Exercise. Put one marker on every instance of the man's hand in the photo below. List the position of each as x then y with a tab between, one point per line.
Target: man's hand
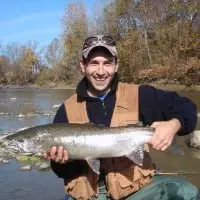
164	133
58	155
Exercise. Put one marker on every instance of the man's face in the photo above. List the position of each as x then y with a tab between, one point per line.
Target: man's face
99	69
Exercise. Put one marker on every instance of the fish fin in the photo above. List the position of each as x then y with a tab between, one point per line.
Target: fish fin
137	156
94	165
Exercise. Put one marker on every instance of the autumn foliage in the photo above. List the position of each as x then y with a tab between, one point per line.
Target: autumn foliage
157	40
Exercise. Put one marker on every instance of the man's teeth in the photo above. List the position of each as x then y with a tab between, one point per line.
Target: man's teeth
100	79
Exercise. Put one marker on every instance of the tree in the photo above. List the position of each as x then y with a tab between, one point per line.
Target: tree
54	59
75	27
131	55
119	18
12	52
23	62
96	17
4	68
28	64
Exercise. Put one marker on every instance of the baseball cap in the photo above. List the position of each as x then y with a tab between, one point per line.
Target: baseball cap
99	41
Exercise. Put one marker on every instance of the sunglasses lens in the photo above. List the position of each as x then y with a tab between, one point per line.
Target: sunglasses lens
91	41
94	40
107	40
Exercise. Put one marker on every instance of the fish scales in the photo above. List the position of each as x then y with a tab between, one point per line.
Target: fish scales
83	141
91	139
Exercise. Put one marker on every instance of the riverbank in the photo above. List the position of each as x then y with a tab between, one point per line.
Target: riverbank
176	87
59	85
63	85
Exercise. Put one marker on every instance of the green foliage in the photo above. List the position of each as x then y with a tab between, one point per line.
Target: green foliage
29	159
43	77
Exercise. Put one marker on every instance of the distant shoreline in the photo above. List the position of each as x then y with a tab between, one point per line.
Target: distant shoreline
176	87
34	86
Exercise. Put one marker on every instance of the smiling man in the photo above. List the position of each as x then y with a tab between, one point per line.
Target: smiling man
101	99
99	68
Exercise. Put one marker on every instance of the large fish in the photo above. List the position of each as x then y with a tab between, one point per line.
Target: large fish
82	141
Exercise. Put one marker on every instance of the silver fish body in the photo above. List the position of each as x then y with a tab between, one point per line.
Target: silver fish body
83	141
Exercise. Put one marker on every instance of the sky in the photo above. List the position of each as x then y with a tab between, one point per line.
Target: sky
39	20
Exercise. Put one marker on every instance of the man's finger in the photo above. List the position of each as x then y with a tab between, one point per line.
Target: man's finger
164	148
53	153
155	141
59	154
157	146
65	155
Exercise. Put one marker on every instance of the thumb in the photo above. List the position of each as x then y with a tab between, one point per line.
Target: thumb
155	124
150	141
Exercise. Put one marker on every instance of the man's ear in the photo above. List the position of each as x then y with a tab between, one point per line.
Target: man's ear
82	65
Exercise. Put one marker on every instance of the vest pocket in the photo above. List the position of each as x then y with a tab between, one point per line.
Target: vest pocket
120	182
127	181
82	188
145	177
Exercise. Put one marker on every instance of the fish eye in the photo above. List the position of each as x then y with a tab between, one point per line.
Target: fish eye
20	139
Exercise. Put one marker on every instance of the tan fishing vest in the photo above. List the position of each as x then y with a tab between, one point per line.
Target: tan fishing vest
122	176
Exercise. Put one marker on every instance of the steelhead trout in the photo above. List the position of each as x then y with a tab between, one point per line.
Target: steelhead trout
82	141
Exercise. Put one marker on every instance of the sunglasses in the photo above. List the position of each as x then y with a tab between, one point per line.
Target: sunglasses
94	40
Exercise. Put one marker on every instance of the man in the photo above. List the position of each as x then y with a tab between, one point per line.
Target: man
101	99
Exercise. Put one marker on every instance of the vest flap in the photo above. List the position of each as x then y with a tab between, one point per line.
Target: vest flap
126	107
123	181
138	171
76	110
71	184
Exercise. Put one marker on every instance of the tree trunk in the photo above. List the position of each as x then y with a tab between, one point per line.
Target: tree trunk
147	46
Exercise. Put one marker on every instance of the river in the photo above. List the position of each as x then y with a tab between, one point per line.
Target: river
28	107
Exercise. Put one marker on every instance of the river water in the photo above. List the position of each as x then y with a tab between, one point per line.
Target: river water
28	107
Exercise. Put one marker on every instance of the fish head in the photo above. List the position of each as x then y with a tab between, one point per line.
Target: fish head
21	145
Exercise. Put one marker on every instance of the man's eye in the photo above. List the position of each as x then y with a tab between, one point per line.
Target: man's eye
93	63
108	63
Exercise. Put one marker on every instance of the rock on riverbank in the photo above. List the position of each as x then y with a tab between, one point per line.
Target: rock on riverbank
194	139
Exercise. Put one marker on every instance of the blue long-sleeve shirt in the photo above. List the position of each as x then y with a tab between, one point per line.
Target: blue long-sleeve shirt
154	105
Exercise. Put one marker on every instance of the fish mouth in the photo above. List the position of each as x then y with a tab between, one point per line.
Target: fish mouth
15	147
26	153
18	149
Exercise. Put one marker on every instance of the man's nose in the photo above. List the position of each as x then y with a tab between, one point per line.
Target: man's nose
100	69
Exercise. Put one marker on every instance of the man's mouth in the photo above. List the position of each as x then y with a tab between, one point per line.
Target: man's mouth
100	79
